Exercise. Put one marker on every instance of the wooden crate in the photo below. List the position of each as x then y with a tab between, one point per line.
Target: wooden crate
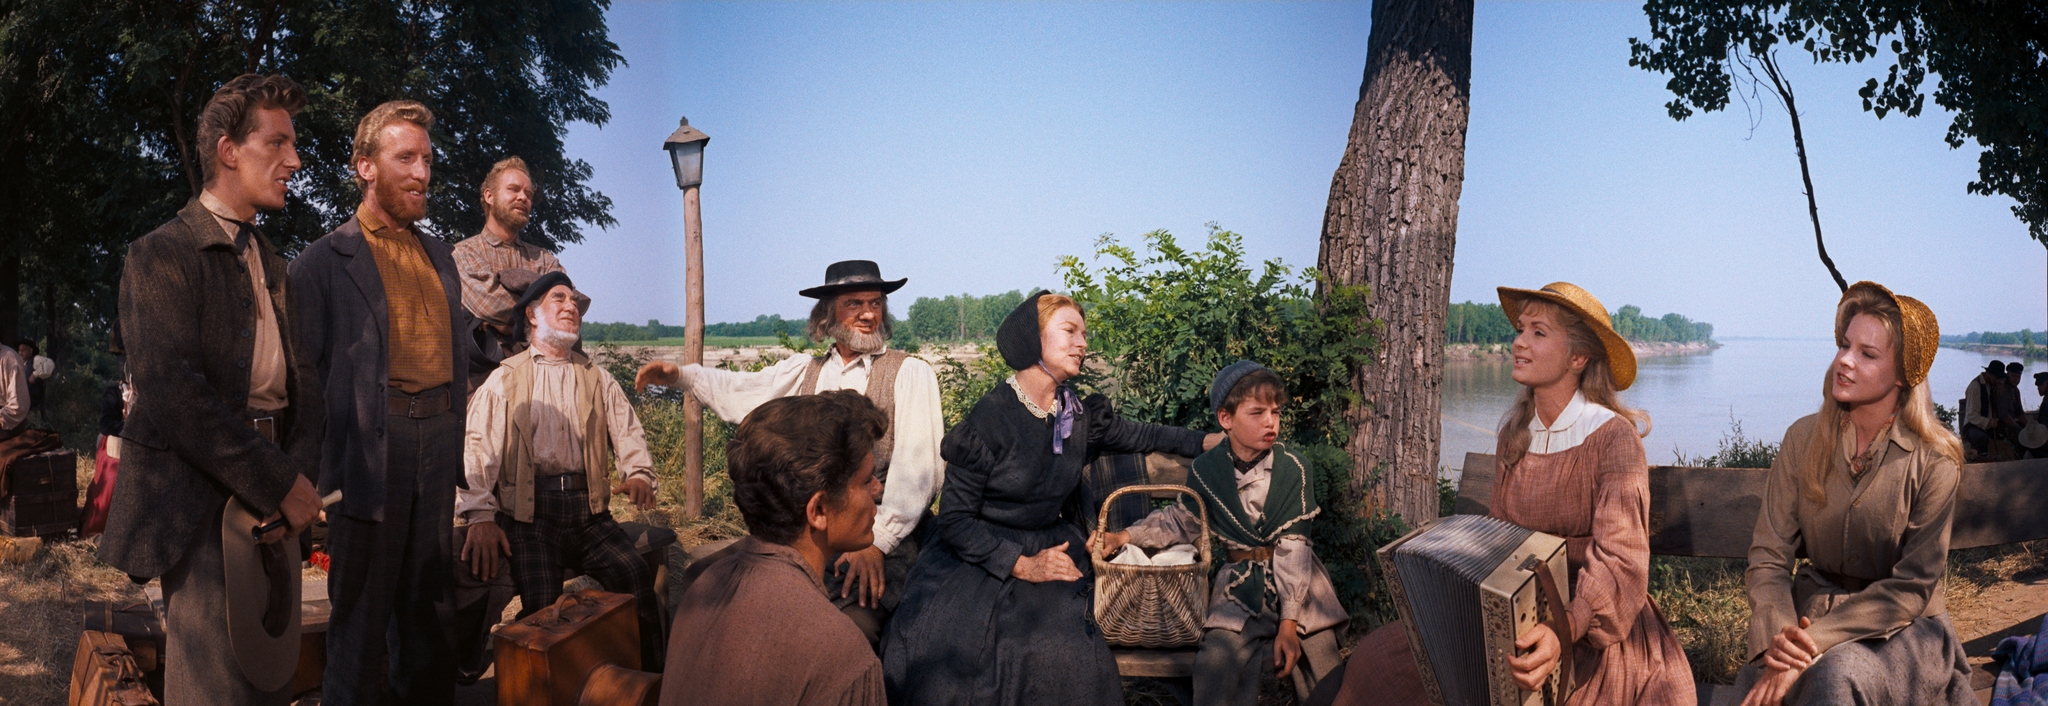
46	473
38	514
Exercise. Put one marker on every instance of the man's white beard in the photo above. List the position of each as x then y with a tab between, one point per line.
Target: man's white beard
551	337
856	341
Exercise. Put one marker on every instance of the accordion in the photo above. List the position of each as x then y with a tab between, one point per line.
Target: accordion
1466	586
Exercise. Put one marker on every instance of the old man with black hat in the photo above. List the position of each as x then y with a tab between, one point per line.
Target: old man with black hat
543	432
852	311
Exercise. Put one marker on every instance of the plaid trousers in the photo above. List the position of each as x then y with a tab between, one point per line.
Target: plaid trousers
566	536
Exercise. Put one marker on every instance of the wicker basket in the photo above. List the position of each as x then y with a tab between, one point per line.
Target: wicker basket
1151	606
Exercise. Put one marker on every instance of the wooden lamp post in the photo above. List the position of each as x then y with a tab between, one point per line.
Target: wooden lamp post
686	150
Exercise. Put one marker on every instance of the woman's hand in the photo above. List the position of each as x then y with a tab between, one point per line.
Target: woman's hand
1771	688
1111	541
1532	669
1210	441
1053	564
1792	649
1286	648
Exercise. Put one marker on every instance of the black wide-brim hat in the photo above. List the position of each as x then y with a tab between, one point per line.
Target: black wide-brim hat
853	276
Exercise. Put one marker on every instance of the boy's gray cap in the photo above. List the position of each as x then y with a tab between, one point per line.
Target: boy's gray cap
1227	378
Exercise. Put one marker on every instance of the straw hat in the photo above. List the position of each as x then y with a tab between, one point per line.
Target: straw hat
1921	331
267	659
1621	360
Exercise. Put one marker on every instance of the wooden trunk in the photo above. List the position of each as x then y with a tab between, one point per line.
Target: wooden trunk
545	658
104	673
613	685
137	624
49	472
39	514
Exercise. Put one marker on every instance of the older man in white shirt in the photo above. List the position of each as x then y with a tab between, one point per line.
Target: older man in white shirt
852	311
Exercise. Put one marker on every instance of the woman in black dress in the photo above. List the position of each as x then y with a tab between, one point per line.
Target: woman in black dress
998	610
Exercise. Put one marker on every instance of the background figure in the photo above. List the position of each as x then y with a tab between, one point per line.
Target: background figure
39	373
496	266
1981	421
2033	438
14	400
106	460
381	317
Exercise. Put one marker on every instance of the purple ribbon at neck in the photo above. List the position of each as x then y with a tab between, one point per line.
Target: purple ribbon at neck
1070	407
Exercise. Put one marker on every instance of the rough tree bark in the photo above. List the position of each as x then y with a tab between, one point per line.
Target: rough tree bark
1392	224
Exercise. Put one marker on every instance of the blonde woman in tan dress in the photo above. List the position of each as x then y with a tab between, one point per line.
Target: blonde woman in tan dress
1571	464
1865	489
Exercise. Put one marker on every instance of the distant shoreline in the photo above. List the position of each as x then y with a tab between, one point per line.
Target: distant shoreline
1499	351
2005	350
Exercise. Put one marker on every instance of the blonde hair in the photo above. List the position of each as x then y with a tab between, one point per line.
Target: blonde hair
498	170
370	130
1915	408
1596	382
1050	303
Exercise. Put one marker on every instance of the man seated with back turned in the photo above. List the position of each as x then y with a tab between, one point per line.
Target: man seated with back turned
543	433
758	626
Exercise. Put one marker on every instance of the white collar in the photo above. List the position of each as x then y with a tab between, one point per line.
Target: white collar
1565	419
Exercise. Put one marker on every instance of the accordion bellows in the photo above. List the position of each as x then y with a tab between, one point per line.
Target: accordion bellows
1466	587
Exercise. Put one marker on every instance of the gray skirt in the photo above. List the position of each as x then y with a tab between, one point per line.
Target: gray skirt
1922	664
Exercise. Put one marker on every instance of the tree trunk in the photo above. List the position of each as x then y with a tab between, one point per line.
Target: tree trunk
1392	224
10	295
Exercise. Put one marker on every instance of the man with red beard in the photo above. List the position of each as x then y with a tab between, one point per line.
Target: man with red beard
381	319
496	266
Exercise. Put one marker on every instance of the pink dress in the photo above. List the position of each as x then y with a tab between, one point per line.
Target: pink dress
1595	493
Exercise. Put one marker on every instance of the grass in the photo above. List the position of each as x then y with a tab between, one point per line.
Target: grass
42	601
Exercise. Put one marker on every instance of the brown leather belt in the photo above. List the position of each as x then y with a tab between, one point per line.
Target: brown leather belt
1846	583
1259	554
562	482
426	404
266	427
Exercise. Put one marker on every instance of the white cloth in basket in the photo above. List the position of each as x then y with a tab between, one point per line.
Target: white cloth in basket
1176	555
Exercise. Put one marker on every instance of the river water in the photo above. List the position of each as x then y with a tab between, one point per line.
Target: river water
1765	384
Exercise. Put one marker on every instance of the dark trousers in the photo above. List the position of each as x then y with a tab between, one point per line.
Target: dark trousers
199	664
389	581
872	620
566	536
478	606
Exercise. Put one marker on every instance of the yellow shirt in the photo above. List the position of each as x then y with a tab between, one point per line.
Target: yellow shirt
420	344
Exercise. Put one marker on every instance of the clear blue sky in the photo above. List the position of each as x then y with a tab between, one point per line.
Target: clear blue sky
968	145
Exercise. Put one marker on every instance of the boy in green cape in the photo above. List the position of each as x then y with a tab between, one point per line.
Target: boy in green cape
1271	606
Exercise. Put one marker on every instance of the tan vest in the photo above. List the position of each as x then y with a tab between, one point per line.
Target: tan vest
515	474
881	391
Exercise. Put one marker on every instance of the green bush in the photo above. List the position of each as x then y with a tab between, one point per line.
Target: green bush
1735	450
1163	322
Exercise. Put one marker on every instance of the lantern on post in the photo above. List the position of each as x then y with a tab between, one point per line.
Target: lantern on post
685	149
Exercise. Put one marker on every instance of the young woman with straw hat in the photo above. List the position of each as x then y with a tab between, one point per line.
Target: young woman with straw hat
1865	490
1572	464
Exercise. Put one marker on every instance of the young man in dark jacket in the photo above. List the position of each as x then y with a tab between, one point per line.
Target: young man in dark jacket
221	414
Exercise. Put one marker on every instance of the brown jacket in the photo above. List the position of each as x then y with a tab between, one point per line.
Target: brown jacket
187	319
1877	546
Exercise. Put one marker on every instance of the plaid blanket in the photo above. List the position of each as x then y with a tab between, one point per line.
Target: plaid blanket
2023	670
